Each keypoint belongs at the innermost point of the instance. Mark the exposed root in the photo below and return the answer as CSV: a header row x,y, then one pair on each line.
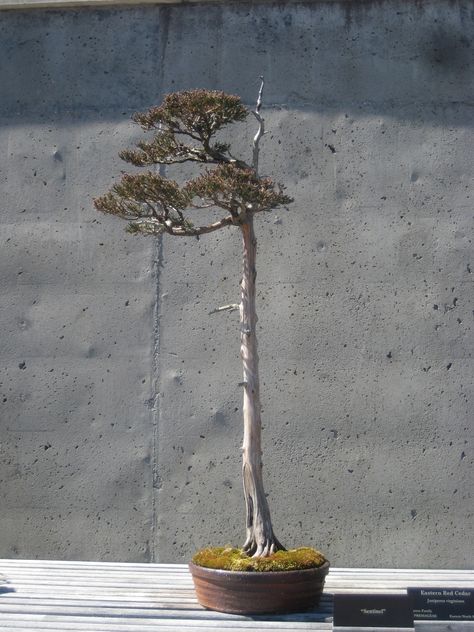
x,y
262,547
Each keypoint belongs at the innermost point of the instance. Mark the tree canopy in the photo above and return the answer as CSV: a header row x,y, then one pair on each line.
x,y
184,127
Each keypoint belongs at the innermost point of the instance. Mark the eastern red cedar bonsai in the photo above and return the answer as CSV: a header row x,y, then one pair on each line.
x,y
184,130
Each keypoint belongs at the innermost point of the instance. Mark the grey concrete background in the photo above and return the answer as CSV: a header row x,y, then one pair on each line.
x,y
366,298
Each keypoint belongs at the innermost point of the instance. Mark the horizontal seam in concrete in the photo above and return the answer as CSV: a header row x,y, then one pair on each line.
x,y
64,4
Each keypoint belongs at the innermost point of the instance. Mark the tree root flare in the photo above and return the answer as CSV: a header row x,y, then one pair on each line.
x,y
264,548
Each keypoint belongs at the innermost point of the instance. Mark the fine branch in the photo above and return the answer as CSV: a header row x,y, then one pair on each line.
x,y
261,127
225,308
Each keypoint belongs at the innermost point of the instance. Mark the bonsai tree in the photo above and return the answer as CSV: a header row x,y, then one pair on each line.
x,y
184,130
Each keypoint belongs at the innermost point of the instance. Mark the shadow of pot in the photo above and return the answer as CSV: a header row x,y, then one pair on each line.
x,y
258,592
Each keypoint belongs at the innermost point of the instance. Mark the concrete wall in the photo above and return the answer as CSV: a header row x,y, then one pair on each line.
x,y
366,294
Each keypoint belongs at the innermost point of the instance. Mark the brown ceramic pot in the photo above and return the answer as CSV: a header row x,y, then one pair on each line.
x,y
258,592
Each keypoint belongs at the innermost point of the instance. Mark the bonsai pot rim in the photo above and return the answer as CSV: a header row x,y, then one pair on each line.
x,y
283,575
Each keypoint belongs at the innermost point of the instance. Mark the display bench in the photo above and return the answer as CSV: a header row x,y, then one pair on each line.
x,y
125,597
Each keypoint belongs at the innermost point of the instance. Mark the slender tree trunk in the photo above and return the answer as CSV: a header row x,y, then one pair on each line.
x,y
261,540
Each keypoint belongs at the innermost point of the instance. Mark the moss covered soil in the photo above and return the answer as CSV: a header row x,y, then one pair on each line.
x,y
230,559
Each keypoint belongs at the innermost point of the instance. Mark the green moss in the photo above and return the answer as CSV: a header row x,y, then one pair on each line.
x,y
229,559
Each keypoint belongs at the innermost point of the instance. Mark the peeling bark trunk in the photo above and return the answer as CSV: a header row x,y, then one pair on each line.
x,y
261,540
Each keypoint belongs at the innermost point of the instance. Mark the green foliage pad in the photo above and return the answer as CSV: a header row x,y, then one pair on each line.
x,y
229,559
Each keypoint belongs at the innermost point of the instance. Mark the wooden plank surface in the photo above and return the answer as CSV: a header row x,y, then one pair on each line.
x,y
119,597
